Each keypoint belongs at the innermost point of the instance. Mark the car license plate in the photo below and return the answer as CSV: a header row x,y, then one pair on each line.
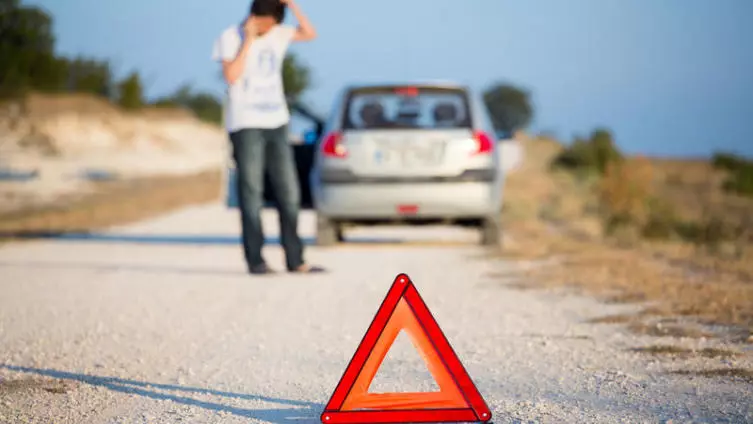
x,y
408,155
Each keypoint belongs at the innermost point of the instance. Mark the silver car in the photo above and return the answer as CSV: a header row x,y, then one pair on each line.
x,y
407,154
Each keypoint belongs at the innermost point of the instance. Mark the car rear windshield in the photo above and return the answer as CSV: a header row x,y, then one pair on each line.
x,y
406,108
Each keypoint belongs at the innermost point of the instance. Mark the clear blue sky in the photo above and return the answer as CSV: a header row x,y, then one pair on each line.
x,y
669,77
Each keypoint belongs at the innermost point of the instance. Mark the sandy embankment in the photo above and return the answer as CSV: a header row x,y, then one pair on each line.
x,y
70,142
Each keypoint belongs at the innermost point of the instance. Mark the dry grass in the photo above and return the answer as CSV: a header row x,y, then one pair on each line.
x,y
632,275
24,385
739,373
552,214
671,330
669,350
113,203
624,189
613,319
45,105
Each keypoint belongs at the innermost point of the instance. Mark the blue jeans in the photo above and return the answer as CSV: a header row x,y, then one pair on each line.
x,y
256,151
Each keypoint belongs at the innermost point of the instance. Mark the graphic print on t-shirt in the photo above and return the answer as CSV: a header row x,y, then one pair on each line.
x,y
266,65
262,87
257,99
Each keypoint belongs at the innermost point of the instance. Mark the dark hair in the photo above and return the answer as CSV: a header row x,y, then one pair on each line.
x,y
274,8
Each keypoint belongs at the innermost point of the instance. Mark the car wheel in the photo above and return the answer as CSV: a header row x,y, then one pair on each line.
x,y
339,233
491,232
328,232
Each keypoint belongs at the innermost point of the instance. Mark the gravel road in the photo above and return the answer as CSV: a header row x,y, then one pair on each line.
x,y
142,326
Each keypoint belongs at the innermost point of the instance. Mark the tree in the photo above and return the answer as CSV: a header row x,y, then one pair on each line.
x,y
26,49
48,74
296,77
89,76
28,61
509,107
131,92
204,105
179,99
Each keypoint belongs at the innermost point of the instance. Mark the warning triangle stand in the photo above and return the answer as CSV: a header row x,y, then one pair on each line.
x,y
458,399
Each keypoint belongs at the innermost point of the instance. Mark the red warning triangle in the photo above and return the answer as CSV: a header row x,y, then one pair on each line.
x,y
457,400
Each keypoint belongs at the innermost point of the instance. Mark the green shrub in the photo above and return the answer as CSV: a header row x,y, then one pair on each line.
x,y
589,155
689,231
604,149
662,222
740,182
728,161
740,170
715,230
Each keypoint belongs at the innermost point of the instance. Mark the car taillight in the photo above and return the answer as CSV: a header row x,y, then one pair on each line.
x,y
484,143
332,147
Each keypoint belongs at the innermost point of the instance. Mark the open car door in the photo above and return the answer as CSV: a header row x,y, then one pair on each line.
x,y
304,159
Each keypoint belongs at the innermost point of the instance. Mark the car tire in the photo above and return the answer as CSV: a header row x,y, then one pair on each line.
x,y
328,232
339,233
491,232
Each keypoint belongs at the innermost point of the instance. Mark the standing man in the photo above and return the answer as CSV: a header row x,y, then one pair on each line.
x,y
257,118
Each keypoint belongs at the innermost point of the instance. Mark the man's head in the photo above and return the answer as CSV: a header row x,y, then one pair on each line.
x,y
267,13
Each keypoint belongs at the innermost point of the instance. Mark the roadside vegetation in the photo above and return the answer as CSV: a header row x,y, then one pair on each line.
x,y
710,207
676,234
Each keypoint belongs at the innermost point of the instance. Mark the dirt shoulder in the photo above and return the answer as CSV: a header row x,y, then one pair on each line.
x,y
110,204
693,314
676,290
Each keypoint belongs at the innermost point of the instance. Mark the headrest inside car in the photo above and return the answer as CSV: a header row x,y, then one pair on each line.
x,y
372,113
444,112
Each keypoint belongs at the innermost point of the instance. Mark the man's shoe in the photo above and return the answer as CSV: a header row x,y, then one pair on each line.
x,y
308,269
261,270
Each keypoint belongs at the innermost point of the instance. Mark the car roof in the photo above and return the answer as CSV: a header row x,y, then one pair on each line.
x,y
415,83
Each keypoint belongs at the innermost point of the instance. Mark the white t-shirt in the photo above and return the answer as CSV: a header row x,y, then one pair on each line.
x,y
257,98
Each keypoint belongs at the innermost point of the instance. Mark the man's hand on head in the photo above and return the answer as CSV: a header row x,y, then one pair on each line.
x,y
305,30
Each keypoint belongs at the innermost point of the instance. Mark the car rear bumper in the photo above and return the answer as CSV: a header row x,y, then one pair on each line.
x,y
345,176
405,201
